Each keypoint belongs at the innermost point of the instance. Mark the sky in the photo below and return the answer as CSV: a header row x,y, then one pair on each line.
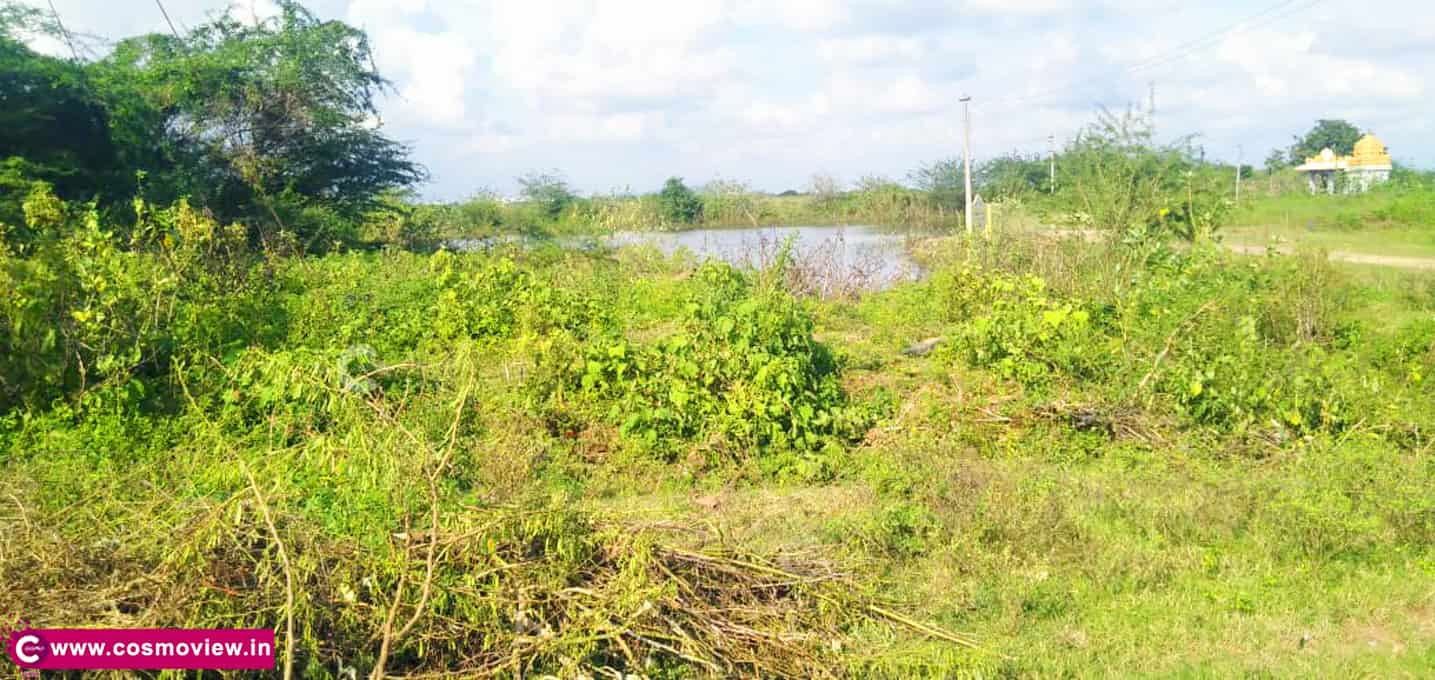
x,y
617,95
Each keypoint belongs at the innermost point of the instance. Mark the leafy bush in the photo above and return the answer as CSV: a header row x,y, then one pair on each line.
x,y
549,191
1234,345
678,203
1242,384
742,368
1124,182
1012,325
501,299
81,311
902,530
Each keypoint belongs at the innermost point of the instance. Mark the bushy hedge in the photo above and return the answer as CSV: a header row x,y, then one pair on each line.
x,y
1230,343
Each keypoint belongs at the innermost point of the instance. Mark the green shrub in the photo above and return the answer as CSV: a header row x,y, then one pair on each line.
x,y
742,369
498,298
678,203
1236,345
82,311
901,530
1012,325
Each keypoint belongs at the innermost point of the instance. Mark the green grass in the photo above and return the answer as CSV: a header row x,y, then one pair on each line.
x,y
1396,220
1130,460
1398,242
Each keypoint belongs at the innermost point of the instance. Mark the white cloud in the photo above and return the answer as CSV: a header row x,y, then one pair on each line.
x,y
798,15
1283,64
629,91
1023,7
48,45
870,49
432,70
254,11
765,117
646,49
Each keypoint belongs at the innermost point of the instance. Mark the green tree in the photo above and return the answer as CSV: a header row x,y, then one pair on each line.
x,y
54,127
1125,182
825,189
549,191
730,202
1337,135
678,203
943,181
1276,160
1012,175
272,123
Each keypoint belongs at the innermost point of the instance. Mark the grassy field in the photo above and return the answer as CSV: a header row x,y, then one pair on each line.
x,y
1397,221
1127,460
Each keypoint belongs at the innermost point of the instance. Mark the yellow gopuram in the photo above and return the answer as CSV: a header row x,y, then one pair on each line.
x,y
1367,165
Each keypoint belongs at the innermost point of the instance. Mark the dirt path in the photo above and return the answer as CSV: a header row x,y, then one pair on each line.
x,y
1346,256
1427,263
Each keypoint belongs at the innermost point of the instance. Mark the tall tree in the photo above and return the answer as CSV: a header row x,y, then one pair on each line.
x,y
263,120
53,125
1276,160
549,191
1012,175
943,181
1337,135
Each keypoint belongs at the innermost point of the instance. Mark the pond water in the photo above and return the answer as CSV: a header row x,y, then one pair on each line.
x,y
828,258
874,255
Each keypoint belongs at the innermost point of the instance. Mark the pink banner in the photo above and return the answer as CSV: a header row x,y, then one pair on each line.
x,y
142,648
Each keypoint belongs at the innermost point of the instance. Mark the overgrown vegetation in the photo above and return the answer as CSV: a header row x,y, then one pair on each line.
x,y
268,124
1046,457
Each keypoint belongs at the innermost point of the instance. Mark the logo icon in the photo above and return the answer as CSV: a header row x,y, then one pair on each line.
x,y
27,648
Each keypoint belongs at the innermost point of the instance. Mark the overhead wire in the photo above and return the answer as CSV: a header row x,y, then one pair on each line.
x,y
162,11
1186,49
69,40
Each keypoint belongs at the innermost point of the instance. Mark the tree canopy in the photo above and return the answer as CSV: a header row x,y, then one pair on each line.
x,y
943,180
549,191
1338,135
1012,175
264,122
53,125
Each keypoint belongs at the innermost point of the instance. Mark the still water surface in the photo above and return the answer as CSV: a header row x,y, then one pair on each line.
x,y
871,251
869,256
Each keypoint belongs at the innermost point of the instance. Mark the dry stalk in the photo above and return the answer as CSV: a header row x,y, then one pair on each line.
x,y
288,573
1171,342
430,560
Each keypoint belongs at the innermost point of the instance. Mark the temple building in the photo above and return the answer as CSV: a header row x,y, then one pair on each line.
x,y
1369,164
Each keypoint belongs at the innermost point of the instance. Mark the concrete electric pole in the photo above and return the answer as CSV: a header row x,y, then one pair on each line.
x,y
1051,146
967,158
1240,151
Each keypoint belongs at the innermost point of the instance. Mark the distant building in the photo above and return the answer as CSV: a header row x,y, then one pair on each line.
x,y
1369,164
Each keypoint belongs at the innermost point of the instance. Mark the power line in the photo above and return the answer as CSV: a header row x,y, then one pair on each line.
x,y
1213,36
64,31
160,5
1273,12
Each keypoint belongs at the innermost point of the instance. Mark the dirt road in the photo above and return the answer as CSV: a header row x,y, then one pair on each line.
x,y
1426,263
1346,256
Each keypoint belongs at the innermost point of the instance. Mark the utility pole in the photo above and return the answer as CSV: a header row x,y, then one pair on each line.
x,y
1051,146
1239,153
1151,106
967,157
